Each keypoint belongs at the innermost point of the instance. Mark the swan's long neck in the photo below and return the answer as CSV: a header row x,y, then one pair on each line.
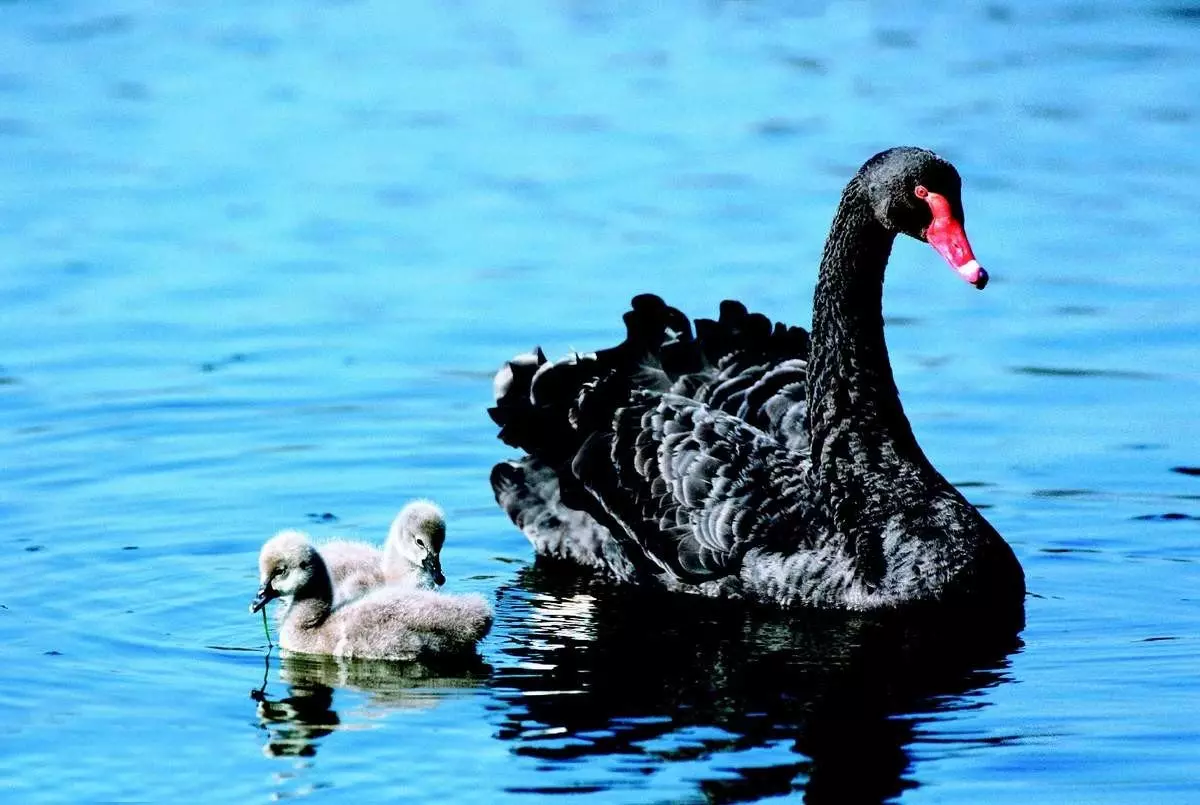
x,y
855,420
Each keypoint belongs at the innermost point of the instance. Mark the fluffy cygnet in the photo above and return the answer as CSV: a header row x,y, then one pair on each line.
x,y
390,623
411,555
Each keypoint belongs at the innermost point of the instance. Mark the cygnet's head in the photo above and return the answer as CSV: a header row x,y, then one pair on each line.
x,y
286,563
417,535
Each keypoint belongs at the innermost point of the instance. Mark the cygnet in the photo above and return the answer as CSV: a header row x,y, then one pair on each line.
x,y
390,622
411,555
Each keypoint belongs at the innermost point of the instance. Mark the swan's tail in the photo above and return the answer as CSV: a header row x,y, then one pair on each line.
x,y
530,494
562,414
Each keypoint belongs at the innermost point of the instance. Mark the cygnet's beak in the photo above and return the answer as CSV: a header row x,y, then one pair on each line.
x,y
433,564
265,594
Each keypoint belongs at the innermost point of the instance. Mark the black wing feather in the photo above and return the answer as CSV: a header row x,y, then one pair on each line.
x,y
692,485
666,440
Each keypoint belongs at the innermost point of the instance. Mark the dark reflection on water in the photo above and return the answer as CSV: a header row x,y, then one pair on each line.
x,y
296,722
655,679
632,682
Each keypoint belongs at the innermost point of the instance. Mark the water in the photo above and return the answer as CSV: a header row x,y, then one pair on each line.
x,y
260,261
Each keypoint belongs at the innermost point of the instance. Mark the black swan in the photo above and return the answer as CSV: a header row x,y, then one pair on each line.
x,y
753,461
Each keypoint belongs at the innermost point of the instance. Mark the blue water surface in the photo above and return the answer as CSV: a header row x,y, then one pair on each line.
x,y
258,263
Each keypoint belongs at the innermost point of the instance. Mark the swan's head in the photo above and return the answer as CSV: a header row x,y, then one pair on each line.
x,y
417,535
286,563
916,192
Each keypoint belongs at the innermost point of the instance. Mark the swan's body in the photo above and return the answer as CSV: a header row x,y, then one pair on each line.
x,y
748,460
391,623
411,555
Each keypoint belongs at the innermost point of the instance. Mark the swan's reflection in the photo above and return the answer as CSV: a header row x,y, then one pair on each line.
x,y
296,722
652,679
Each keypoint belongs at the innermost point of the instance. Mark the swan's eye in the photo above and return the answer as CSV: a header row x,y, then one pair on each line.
x,y
420,542
921,192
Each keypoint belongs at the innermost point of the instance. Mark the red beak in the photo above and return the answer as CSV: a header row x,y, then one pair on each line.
x,y
946,234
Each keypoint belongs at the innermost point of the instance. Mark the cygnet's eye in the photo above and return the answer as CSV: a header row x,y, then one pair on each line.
x,y
421,542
